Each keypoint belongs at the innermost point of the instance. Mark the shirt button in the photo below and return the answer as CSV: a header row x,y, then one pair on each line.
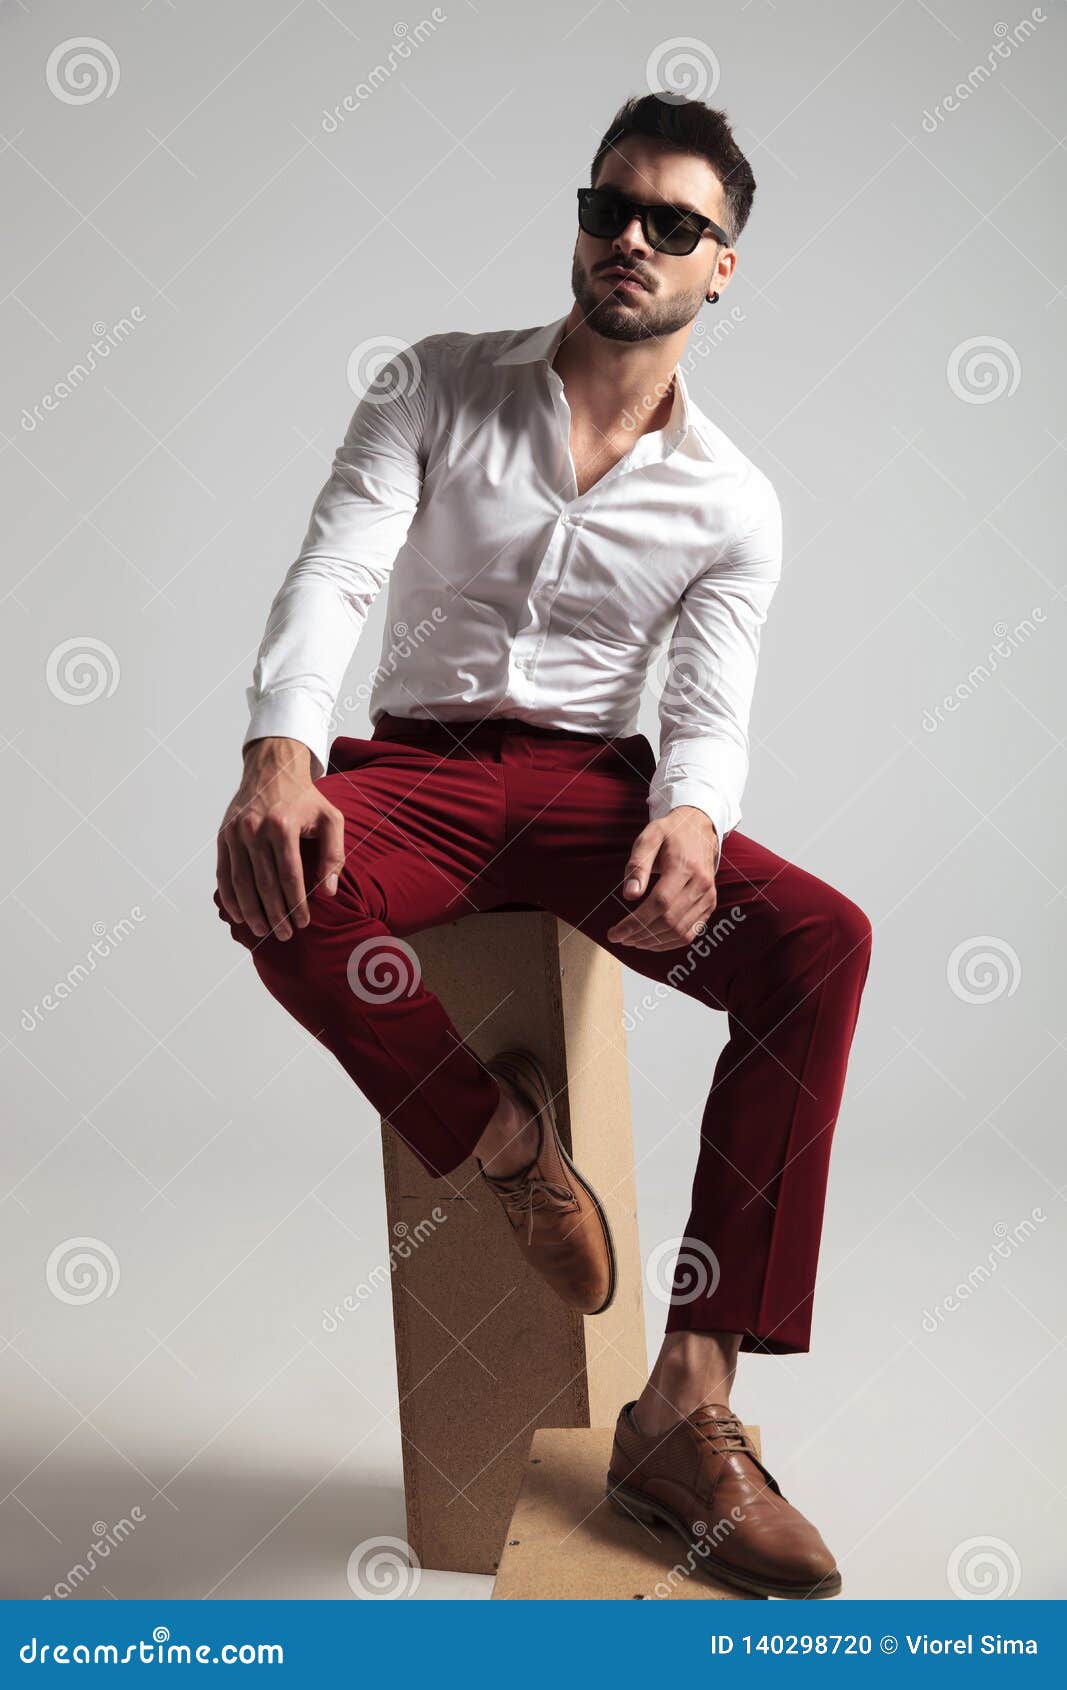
x,y
564,519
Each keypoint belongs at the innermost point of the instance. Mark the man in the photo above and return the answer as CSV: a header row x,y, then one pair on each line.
x,y
547,508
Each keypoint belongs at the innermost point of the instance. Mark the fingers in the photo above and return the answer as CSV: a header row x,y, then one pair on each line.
x,y
289,870
261,874
284,840
673,912
671,915
331,848
249,908
250,842
642,858
673,940
274,845
227,895
667,933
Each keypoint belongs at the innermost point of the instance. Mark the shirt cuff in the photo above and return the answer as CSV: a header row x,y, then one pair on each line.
x,y
291,715
690,789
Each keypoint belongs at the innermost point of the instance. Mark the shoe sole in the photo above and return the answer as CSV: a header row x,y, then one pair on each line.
x,y
531,1079
649,1513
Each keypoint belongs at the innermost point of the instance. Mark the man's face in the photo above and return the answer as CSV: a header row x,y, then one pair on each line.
x,y
672,289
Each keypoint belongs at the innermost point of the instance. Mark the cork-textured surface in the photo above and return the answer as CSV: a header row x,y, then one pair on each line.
x,y
486,1352
567,1543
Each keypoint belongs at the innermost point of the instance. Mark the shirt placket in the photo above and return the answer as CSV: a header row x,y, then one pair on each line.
x,y
555,559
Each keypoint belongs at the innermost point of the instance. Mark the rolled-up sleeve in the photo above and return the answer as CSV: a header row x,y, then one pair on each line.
x,y
710,668
358,524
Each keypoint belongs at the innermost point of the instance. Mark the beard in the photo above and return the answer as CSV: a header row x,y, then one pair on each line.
x,y
617,319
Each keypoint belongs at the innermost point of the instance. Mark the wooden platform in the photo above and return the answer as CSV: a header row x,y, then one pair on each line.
x,y
567,1543
485,1351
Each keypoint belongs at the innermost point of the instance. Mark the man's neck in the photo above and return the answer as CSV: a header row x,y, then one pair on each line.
x,y
616,385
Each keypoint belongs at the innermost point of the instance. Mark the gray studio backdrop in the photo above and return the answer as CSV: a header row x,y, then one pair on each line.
x,y
212,212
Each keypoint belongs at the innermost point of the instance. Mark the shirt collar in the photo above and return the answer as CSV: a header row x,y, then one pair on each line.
x,y
541,346
538,346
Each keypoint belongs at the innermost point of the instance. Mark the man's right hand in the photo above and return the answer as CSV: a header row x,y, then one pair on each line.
x,y
260,873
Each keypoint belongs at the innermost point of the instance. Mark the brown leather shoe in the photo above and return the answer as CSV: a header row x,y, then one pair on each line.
x,y
705,1481
554,1214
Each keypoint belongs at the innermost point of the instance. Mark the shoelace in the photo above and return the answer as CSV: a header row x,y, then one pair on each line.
x,y
729,1429
521,1201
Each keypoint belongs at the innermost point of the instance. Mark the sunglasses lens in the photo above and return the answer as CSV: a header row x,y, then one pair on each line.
x,y
601,214
672,231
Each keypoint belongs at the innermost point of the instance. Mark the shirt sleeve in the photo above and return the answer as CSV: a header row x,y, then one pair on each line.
x,y
358,524
709,670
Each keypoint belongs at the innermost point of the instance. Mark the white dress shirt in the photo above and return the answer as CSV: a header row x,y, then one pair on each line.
x,y
512,594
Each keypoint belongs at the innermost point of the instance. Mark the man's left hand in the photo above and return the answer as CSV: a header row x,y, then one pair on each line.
x,y
683,848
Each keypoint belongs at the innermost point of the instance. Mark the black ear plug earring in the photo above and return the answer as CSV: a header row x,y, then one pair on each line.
x,y
713,298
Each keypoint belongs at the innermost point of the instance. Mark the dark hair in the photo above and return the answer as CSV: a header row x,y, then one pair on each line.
x,y
691,127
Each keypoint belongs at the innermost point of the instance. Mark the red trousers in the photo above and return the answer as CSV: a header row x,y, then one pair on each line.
x,y
442,820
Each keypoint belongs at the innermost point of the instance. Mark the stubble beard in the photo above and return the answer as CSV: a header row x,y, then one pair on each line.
x,y
615,319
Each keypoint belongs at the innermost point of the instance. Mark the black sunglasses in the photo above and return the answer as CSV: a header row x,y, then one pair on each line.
x,y
604,212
